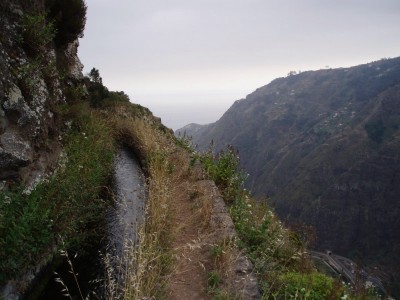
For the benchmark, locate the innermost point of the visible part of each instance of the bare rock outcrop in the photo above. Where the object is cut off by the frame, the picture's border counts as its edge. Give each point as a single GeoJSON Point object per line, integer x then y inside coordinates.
{"type": "Point", "coordinates": [30, 90]}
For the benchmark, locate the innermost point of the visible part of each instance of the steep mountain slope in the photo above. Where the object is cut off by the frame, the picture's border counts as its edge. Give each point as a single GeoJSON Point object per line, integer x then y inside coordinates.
{"type": "Point", "coordinates": [325, 147]}
{"type": "Point", "coordinates": [59, 132]}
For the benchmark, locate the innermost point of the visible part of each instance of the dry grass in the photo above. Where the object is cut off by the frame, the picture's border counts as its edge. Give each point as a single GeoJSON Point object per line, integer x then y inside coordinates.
{"type": "Point", "coordinates": [174, 254]}
{"type": "Point", "coordinates": [142, 272]}
{"type": "Point", "coordinates": [224, 254]}
{"type": "Point", "coordinates": [205, 208]}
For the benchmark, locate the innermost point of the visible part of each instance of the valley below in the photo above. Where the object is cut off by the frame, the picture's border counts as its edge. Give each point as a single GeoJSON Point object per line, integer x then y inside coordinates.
{"type": "Point", "coordinates": [322, 148]}
{"type": "Point", "coordinates": [292, 194]}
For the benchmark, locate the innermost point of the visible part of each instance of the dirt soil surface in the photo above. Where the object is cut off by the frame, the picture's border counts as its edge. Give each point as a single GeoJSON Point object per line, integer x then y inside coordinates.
{"type": "Point", "coordinates": [192, 255]}
{"type": "Point", "coordinates": [201, 222]}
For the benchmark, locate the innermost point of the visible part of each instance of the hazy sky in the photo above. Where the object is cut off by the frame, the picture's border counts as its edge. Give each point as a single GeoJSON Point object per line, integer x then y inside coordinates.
{"type": "Point", "coordinates": [189, 60]}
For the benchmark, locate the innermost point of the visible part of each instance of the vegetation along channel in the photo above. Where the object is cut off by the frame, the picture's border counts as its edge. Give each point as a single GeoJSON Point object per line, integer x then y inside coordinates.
{"type": "Point", "coordinates": [120, 232]}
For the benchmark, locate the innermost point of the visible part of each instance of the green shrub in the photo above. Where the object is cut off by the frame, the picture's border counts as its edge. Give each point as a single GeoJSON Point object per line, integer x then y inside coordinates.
{"type": "Point", "coordinates": [37, 33]}
{"type": "Point", "coordinates": [68, 204]}
{"type": "Point", "coordinates": [273, 250]}
{"type": "Point", "coordinates": [32, 6]}
{"type": "Point", "coordinates": [74, 94]}
{"type": "Point", "coordinates": [28, 76]}
{"type": "Point", "coordinates": [313, 286]}
{"type": "Point", "coordinates": [25, 224]}
{"type": "Point", "coordinates": [114, 98]}
{"type": "Point", "coordinates": [223, 169]}
{"type": "Point", "coordinates": [97, 94]}
{"type": "Point", "coordinates": [97, 91]}
{"type": "Point", "coordinates": [213, 281]}
{"type": "Point", "coordinates": [69, 19]}
{"type": "Point", "coordinates": [254, 231]}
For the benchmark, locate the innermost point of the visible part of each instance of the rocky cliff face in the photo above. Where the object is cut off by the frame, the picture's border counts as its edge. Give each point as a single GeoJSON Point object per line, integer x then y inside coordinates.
{"type": "Point", "coordinates": [37, 77]}
{"type": "Point", "coordinates": [324, 147]}
{"type": "Point", "coordinates": [31, 88]}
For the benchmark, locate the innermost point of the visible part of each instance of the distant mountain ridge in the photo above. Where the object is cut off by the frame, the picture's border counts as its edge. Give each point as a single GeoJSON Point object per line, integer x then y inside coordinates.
{"type": "Point", "coordinates": [324, 146]}
{"type": "Point", "coordinates": [193, 128]}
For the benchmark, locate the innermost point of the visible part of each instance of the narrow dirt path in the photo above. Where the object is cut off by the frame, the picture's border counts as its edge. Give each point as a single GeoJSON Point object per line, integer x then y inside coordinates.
{"type": "Point", "coordinates": [201, 224]}
{"type": "Point", "coordinates": [192, 255]}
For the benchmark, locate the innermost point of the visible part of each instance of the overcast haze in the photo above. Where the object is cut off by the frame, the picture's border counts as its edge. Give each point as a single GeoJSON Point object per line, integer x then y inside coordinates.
{"type": "Point", "coordinates": [188, 61]}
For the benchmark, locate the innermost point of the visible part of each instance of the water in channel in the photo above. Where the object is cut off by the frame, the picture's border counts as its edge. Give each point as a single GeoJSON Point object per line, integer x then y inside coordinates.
{"type": "Point", "coordinates": [124, 220]}
{"type": "Point", "coordinates": [120, 229]}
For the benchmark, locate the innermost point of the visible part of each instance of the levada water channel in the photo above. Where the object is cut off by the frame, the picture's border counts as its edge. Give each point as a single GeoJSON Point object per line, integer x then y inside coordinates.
{"type": "Point", "coordinates": [102, 267]}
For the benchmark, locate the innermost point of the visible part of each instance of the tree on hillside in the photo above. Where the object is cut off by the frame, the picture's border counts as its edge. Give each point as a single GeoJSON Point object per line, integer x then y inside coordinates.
{"type": "Point", "coordinates": [97, 91]}
{"type": "Point", "coordinates": [94, 76]}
